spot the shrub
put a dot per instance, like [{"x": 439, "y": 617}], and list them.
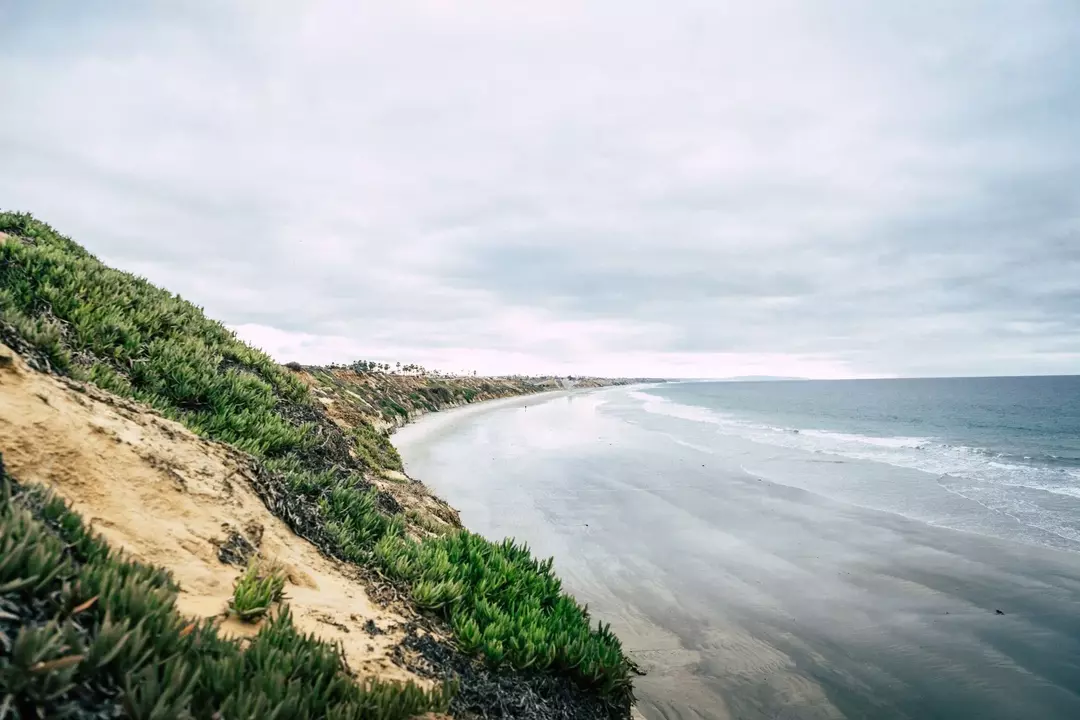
[
  {"x": 507, "y": 606},
  {"x": 391, "y": 408},
  {"x": 259, "y": 588}
]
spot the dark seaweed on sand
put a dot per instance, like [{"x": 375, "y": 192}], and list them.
[{"x": 503, "y": 694}]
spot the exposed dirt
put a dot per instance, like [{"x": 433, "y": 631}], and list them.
[{"x": 182, "y": 502}]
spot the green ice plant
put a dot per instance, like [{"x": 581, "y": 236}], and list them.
[
  {"x": 257, "y": 590},
  {"x": 506, "y": 606},
  {"x": 86, "y": 628}
]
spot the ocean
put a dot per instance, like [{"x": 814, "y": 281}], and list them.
[
  {"x": 805, "y": 549},
  {"x": 1009, "y": 444}
]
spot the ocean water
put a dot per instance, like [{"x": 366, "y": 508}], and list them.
[
  {"x": 903, "y": 549},
  {"x": 1010, "y": 444}
]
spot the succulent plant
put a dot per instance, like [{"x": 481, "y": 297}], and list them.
[{"x": 256, "y": 591}]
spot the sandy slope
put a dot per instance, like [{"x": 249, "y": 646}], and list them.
[{"x": 170, "y": 498}]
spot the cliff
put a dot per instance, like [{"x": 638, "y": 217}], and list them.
[
  {"x": 259, "y": 514},
  {"x": 388, "y": 400}
]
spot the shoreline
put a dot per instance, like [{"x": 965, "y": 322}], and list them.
[
  {"x": 431, "y": 419},
  {"x": 425, "y": 426},
  {"x": 747, "y": 597},
  {"x": 425, "y": 418},
  {"x": 457, "y": 409}
]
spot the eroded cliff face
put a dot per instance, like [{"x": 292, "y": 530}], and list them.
[
  {"x": 388, "y": 400},
  {"x": 172, "y": 499}
]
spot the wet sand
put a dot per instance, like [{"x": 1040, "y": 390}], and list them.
[{"x": 748, "y": 598}]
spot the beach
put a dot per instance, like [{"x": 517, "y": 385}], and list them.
[{"x": 743, "y": 596}]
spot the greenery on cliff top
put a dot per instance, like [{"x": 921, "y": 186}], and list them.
[
  {"x": 79, "y": 317},
  {"x": 364, "y": 398}
]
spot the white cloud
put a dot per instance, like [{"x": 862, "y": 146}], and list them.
[{"x": 681, "y": 188}]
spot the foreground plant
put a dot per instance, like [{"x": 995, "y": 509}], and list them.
[
  {"x": 87, "y": 633},
  {"x": 260, "y": 587},
  {"x": 507, "y": 607}
]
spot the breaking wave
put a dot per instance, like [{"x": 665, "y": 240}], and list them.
[{"x": 954, "y": 464}]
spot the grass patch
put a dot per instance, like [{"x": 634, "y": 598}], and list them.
[
  {"x": 119, "y": 331},
  {"x": 88, "y": 633}
]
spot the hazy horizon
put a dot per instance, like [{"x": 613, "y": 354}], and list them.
[{"x": 769, "y": 378}]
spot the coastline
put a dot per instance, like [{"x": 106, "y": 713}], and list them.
[
  {"x": 750, "y": 598},
  {"x": 462, "y": 408},
  {"x": 429, "y": 421},
  {"x": 424, "y": 427}
]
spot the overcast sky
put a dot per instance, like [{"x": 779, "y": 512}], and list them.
[{"x": 678, "y": 188}]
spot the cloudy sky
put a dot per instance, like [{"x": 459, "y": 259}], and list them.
[{"x": 683, "y": 188}]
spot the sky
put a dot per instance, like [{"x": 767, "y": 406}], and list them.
[{"x": 686, "y": 188}]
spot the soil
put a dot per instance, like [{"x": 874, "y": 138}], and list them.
[{"x": 173, "y": 499}]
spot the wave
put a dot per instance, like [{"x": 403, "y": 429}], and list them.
[{"x": 1048, "y": 474}]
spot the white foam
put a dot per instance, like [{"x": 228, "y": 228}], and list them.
[
  {"x": 915, "y": 443},
  {"x": 916, "y": 453}
]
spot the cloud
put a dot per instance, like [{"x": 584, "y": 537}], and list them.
[{"x": 829, "y": 189}]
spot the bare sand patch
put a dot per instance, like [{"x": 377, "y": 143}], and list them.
[{"x": 171, "y": 498}]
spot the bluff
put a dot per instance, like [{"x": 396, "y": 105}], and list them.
[{"x": 176, "y": 508}]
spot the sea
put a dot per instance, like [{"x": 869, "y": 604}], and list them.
[
  {"x": 1009, "y": 444},
  {"x": 799, "y": 550}
]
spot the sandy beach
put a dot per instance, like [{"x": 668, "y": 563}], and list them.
[{"x": 747, "y": 598}]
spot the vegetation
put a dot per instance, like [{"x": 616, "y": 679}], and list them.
[
  {"x": 427, "y": 522},
  {"x": 87, "y": 633},
  {"x": 393, "y": 407},
  {"x": 258, "y": 589},
  {"x": 362, "y": 367},
  {"x": 507, "y": 606},
  {"x": 127, "y": 336},
  {"x": 375, "y": 449},
  {"x": 79, "y": 317},
  {"x": 369, "y": 366}
]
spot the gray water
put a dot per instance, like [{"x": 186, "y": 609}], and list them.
[
  {"x": 758, "y": 580},
  {"x": 1011, "y": 444}
]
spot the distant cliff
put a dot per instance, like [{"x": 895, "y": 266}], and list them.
[{"x": 388, "y": 400}]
